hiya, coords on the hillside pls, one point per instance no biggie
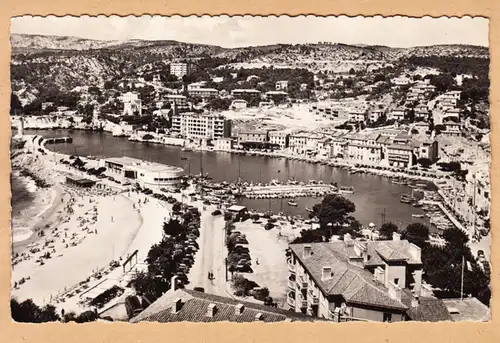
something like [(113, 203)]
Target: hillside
[(39, 62)]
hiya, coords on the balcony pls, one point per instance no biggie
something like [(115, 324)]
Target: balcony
[(290, 299), (291, 282), (302, 301), (302, 283), (291, 267)]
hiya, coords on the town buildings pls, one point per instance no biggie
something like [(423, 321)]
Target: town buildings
[(223, 144), (253, 136), (179, 69), (132, 105), (196, 126), (282, 86), (280, 138), (355, 280), (397, 114), (204, 93), (180, 101)]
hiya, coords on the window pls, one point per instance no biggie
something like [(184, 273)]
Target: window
[(396, 281), (387, 317)]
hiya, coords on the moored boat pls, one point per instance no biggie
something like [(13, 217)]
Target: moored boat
[(309, 209), (347, 190), (292, 203)]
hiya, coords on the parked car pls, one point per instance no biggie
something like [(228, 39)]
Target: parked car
[(216, 213)]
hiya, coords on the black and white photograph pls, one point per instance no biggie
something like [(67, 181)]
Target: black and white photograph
[(250, 169)]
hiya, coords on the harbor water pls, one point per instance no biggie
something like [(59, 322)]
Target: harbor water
[(376, 198)]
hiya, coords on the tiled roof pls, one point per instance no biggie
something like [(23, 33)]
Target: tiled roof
[(467, 309), (353, 282), (393, 250), (429, 310), (195, 305)]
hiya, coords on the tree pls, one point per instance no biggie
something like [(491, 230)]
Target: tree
[(424, 162), (147, 137), (29, 312), (387, 229), (333, 209), (414, 131), (15, 104), (416, 233), (352, 71)]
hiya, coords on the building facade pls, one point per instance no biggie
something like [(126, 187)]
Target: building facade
[(253, 136), (196, 126), (180, 69), (280, 138), (146, 174), (354, 280)]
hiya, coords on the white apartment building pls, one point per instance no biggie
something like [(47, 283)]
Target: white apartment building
[(363, 148), (197, 126), (131, 104), (180, 69), (357, 115)]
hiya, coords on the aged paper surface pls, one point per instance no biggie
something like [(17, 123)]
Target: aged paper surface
[(119, 332)]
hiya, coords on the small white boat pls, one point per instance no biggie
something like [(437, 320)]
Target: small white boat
[(292, 203), (347, 190), (309, 209), (417, 215)]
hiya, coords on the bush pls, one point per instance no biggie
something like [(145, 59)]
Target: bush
[(261, 294), (228, 216)]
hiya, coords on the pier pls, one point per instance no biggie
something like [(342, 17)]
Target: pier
[(287, 191), (447, 213)]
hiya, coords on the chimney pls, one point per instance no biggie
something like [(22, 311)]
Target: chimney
[(211, 310), (348, 239), (258, 317), (307, 251), (395, 291), (177, 305), (173, 283), (239, 309), (415, 301), (396, 236), (326, 273)]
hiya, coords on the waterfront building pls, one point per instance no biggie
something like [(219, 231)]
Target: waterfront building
[(180, 69), (337, 147), (254, 136), (204, 93), (132, 105), (478, 189), (304, 142), (223, 144), (194, 126), (428, 149), (280, 138), (398, 114), (400, 155), (180, 101), (355, 280), (182, 305), (146, 174), (363, 147)]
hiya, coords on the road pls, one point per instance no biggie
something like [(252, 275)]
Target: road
[(210, 256)]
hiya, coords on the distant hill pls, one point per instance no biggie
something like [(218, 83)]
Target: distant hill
[(41, 61)]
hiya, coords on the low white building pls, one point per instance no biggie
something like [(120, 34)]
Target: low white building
[(280, 138), (239, 104), (223, 144), (146, 174)]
